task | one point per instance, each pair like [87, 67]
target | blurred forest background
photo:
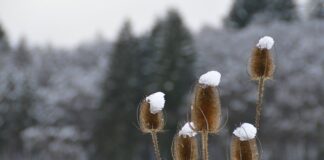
[81, 103]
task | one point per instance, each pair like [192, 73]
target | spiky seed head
[185, 144]
[150, 113]
[206, 109]
[244, 150]
[261, 62]
[244, 145]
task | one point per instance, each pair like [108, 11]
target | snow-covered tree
[283, 10]
[22, 56]
[243, 12]
[176, 60]
[174, 57]
[4, 45]
[17, 98]
[122, 89]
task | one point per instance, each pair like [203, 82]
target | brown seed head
[206, 109]
[261, 64]
[244, 150]
[185, 148]
[150, 122]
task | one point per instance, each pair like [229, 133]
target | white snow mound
[245, 132]
[156, 101]
[211, 78]
[187, 130]
[265, 42]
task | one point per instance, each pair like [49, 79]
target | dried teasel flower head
[150, 114]
[206, 108]
[185, 145]
[261, 61]
[244, 145]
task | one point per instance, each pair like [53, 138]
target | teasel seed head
[206, 108]
[244, 145]
[150, 113]
[185, 145]
[261, 61]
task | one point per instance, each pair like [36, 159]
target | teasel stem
[151, 118]
[259, 102]
[156, 146]
[204, 140]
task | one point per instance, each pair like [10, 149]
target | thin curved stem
[156, 146]
[204, 140]
[259, 102]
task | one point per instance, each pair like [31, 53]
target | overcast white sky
[68, 22]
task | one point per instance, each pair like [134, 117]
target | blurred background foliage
[81, 103]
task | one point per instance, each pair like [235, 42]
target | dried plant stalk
[206, 113]
[204, 139]
[261, 69]
[156, 146]
[151, 123]
[259, 102]
[244, 150]
[185, 148]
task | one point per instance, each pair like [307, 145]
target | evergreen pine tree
[161, 61]
[284, 10]
[4, 45]
[22, 56]
[17, 99]
[243, 12]
[122, 91]
[175, 60]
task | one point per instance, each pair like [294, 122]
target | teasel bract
[261, 68]
[206, 108]
[151, 119]
[185, 144]
[244, 145]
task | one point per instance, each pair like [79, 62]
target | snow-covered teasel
[151, 119]
[156, 101]
[187, 130]
[211, 78]
[265, 42]
[185, 145]
[245, 132]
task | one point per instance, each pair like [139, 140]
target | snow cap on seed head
[265, 42]
[211, 78]
[156, 101]
[187, 130]
[245, 132]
